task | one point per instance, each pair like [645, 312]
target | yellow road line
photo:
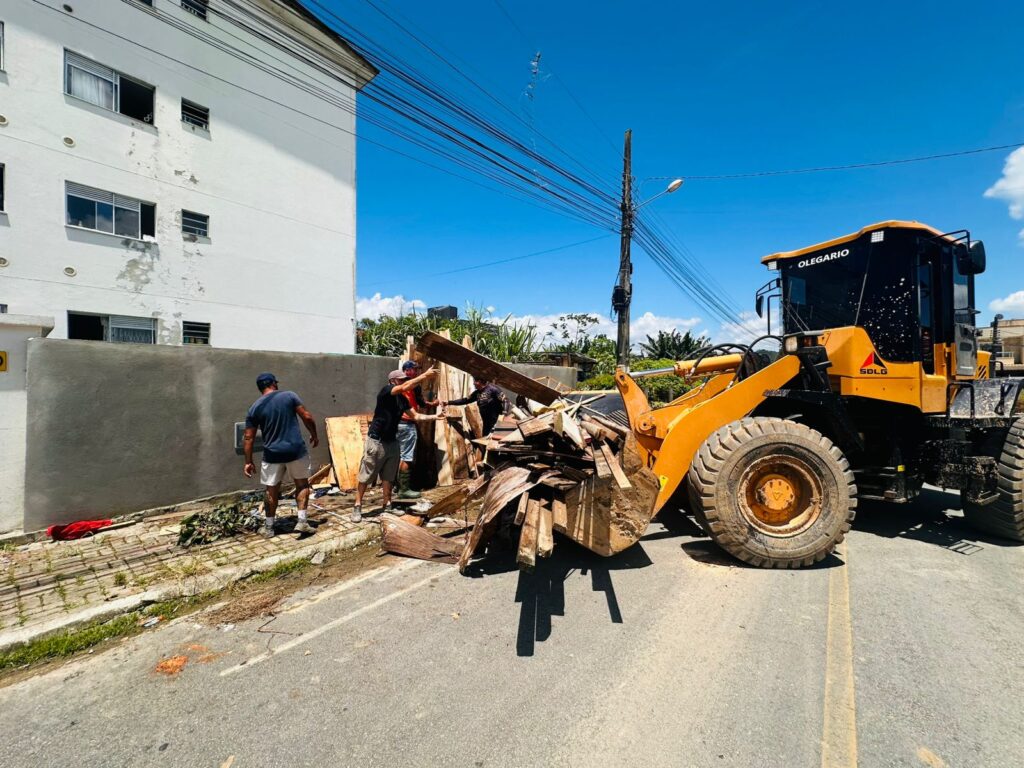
[839, 728]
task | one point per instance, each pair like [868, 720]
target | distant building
[443, 313]
[179, 172]
[1010, 352]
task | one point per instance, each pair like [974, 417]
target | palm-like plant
[672, 345]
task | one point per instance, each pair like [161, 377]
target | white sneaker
[304, 527]
[357, 515]
[267, 531]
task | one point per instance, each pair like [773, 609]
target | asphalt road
[906, 649]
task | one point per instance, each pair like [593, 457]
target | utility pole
[623, 290]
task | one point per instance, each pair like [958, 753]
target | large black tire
[1004, 517]
[773, 493]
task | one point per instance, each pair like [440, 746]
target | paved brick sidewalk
[47, 585]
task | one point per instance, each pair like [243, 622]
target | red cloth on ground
[76, 530]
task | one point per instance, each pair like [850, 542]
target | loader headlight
[790, 344]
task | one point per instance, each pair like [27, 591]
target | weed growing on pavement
[284, 568]
[73, 641]
[120, 580]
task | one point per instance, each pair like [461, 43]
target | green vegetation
[72, 641]
[573, 333]
[284, 568]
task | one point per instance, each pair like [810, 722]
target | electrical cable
[851, 166]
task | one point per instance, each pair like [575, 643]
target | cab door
[965, 338]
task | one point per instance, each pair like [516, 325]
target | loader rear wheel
[771, 492]
[1004, 517]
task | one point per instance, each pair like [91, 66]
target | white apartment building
[179, 171]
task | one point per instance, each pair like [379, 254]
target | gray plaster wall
[116, 428]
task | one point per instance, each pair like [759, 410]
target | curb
[215, 580]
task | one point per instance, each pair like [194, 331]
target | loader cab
[909, 286]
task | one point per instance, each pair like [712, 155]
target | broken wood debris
[559, 470]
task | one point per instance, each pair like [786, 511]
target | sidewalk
[50, 585]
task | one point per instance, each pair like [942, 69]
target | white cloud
[1011, 186]
[1014, 303]
[392, 306]
[639, 327]
[749, 328]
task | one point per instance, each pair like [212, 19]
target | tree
[672, 345]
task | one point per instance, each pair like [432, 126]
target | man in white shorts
[276, 415]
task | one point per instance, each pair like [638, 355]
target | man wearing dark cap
[407, 432]
[284, 450]
[382, 454]
[489, 398]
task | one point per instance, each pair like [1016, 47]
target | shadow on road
[542, 593]
[934, 518]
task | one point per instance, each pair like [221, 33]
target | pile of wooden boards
[557, 469]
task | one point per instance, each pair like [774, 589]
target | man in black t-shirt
[489, 399]
[381, 454]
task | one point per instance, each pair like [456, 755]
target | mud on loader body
[879, 388]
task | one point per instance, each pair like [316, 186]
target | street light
[666, 191]
[622, 293]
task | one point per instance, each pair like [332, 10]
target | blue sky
[707, 89]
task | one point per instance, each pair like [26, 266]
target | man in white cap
[382, 454]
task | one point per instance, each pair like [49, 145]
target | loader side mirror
[971, 260]
[759, 305]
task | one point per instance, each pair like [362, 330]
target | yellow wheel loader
[878, 388]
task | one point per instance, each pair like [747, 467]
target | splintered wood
[560, 468]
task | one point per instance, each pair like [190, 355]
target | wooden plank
[527, 554]
[537, 426]
[545, 538]
[615, 467]
[346, 441]
[404, 537]
[599, 432]
[445, 475]
[476, 421]
[320, 475]
[604, 421]
[566, 426]
[521, 511]
[515, 436]
[443, 350]
[601, 464]
[519, 413]
[506, 485]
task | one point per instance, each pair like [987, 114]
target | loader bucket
[607, 514]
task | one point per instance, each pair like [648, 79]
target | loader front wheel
[773, 493]
[1004, 517]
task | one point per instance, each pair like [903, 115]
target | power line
[852, 166]
[498, 261]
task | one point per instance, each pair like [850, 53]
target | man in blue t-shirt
[284, 450]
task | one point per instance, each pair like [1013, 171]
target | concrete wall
[278, 268]
[15, 331]
[119, 428]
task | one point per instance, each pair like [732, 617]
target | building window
[197, 224]
[97, 84]
[195, 333]
[2, 209]
[103, 211]
[121, 329]
[197, 7]
[1, 46]
[193, 114]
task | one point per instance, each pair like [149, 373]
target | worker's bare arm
[307, 418]
[248, 439]
[409, 384]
